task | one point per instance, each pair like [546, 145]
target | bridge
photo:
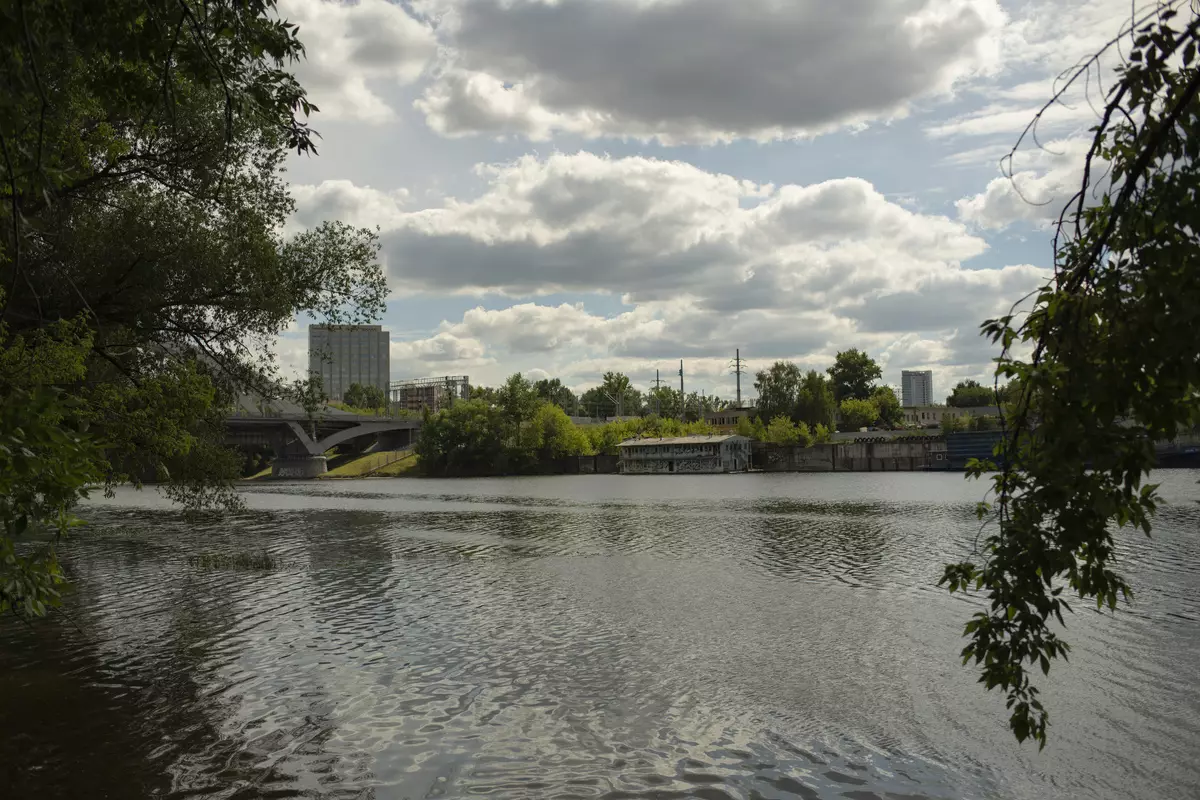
[300, 440]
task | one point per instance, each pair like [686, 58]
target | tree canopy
[815, 404]
[858, 414]
[552, 390]
[970, 393]
[359, 396]
[142, 210]
[1107, 361]
[777, 387]
[853, 374]
[887, 405]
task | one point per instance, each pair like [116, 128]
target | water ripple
[593, 637]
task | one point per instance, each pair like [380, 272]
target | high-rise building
[346, 354]
[916, 388]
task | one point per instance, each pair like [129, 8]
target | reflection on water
[592, 636]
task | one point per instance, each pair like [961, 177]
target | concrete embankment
[882, 455]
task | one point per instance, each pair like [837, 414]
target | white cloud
[345, 201]
[699, 70]
[704, 262]
[350, 46]
[1042, 181]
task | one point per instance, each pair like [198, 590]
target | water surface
[754, 636]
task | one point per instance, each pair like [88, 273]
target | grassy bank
[385, 464]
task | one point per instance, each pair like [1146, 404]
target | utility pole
[682, 396]
[657, 395]
[737, 370]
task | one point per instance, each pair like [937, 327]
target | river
[742, 636]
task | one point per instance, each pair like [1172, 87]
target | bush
[858, 414]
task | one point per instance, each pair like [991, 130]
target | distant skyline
[568, 188]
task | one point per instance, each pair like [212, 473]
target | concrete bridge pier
[298, 466]
[294, 461]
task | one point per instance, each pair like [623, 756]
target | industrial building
[346, 354]
[685, 454]
[727, 420]
[432, 393]
[916, 388]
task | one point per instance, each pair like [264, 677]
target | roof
[698, 439]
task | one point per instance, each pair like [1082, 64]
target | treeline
[848, 393]
[617, 397]
[514, 429]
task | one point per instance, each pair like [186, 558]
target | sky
[568, 187]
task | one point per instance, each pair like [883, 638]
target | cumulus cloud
[343, 200]
[699, 70]
[1042, 181]
[349, 46]
[1044, 45]
[659, 230]
[704, 262]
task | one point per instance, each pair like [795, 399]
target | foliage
[141, 155]
[663, 401]
[777, 388]
[605, 438]
[555, 436]
[985, 422]
[857, 414]
[553, 391]
[815, 403]
[615, 396]
[487, 394]
[968, 394]
[955, 423]
[1113, 366]
[46, 463]
[782, 430]
[364, 397]
[822, 435]
[466, 438]
[853, 374]
[888, 406]
[745, 428]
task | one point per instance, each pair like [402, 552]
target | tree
[858, 414]
[553, 391]
[777, 388]
[853, 374]
[464, 439]
[355, 396]
[1112, 366]
[142, 210]
[487, 394]
[47, 460]
[745, 427]
[782, 430]
[309, 394]
[374, 397]
[888, 406]
[555, 436]
[822, 435]
[815, 404]
[662, 401]
[143, 195]
[953, 423]
[969, 394]
[517, 403]
[624, 399]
